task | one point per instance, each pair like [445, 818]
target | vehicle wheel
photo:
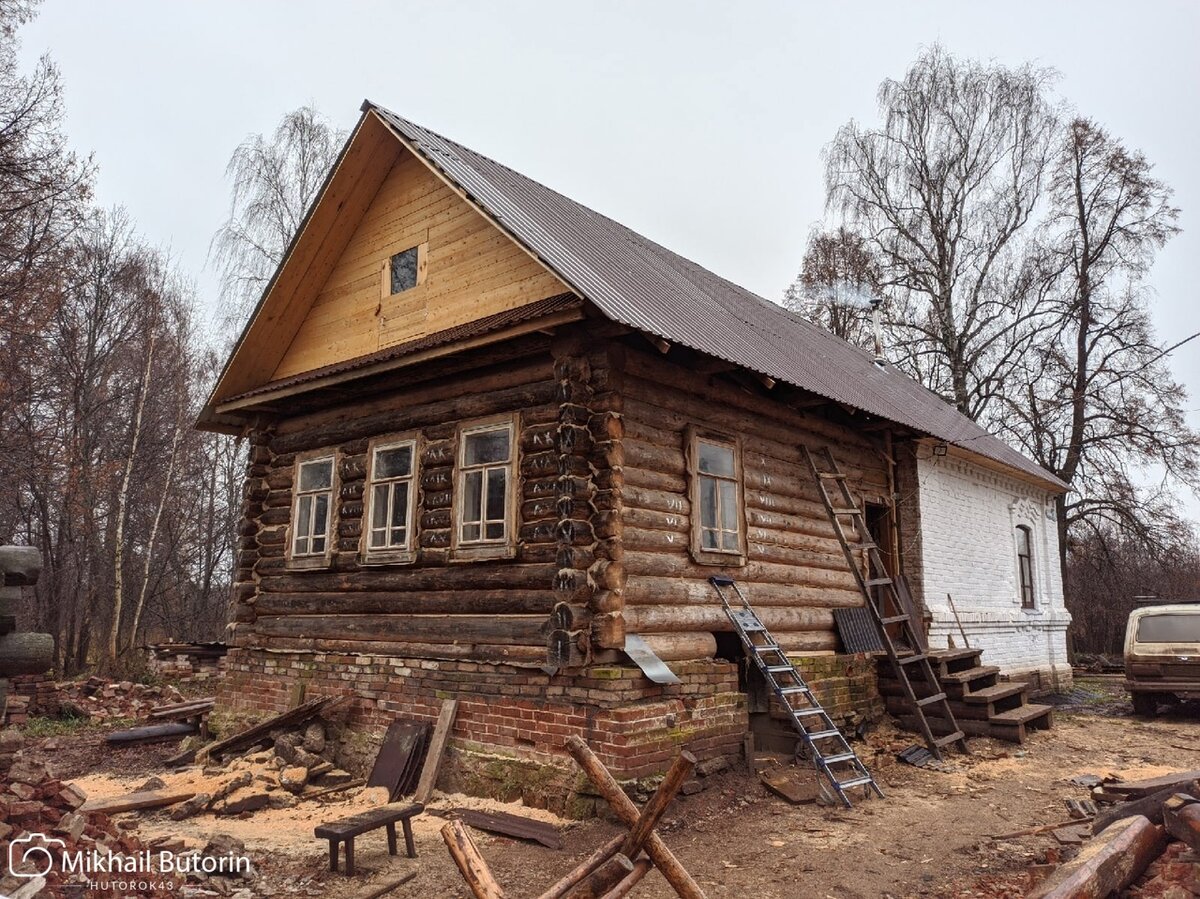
[1145, 704]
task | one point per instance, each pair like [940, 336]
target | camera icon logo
[33, 850]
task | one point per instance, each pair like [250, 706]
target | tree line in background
[1006, 241]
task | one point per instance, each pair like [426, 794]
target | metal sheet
[652, 666]
[857, 629]
[640, 284]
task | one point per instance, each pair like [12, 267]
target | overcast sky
[698, 124]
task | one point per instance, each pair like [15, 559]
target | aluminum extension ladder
[877, 576]
[825, 745]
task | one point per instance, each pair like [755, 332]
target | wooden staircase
[982, 706]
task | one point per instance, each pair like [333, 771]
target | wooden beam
[584, 868]
[1107, 863]
[132, 802]
[437, 748]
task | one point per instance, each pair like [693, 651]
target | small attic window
[403, 269]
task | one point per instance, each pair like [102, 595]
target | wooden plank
[1139, 788]
[131, 802]
[1150, 806]
[510, 826]
[437, 747]
[250, 735]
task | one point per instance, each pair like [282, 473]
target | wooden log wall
[795, 572]
[560, 590]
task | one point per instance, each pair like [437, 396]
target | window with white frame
[485, 465]
[313, 502]
[391, 498]
[718, 532]
[1025, 565]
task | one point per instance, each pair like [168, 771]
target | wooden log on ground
[153, 733]
[1181, 816]
[466, 855]
[1107, 863]
[666, 862]
[560, 888]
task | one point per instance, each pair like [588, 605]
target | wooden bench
[346, 829]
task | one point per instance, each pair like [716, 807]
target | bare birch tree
[839, 283]
[275, 181]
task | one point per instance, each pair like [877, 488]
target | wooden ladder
[877, 576]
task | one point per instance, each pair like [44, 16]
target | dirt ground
[934, 834]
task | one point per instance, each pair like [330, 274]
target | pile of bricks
[101, 700]
[31, 694]
[32, 802]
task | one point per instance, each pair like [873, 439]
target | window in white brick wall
[1025, 565]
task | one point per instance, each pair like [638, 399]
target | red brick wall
[513, 721]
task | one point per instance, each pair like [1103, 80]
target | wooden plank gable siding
[471, 270]
[795, 572]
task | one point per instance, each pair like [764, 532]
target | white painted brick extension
[969, 520]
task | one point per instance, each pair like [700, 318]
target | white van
[1162, 655]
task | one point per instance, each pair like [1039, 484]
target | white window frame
[309, 559]
[391, 553]
[700, 553]
[482, 547]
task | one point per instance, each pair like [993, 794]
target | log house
[493, 433]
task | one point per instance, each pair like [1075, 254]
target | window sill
[304, 563]
[482, 552]
[720, 559]
[1034, 611]
[380, 558]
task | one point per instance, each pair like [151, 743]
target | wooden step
[1039, 717]
[994, 692]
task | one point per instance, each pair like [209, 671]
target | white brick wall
[969, 520]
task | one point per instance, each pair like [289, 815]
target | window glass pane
[320, 515]
[404, 270]
[729, 505]
[708, 503]
[400, 505]
[316, 475]
[470, 532]
[729, 540]
[300, 547]
[708, 538]
[393, 463]
[318, 545]
[487, 446]
[304, 517]
[716, 459]
[496, 480]
[379, 506]
[472, 497]
[495, 530]
[1170, 627]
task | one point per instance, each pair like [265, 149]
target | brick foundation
[513, 722]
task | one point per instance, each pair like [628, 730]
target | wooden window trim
[385, 272]
[391, 555]
[480, 550]
[1025, 559]
[724, 558]
[313, 560]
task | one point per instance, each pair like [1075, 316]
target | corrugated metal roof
[492, 323]
[639, 283]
